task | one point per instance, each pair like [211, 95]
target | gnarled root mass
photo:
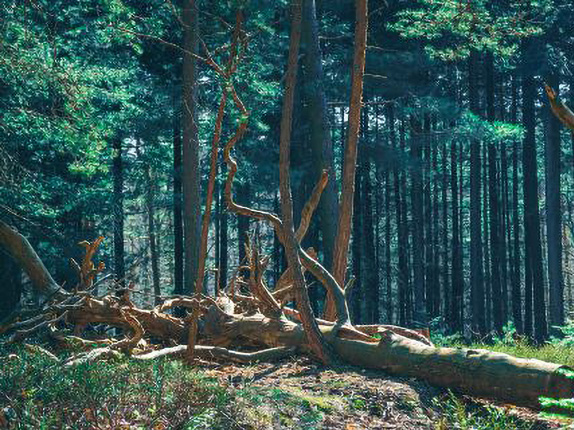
[223, 330]
[246, 328]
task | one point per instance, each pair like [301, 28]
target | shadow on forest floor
[38, 392]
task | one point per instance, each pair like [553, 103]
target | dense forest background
[463, 205]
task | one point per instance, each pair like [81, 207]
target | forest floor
[37, 391]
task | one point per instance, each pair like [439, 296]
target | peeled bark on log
[216, 352]
[22, 252]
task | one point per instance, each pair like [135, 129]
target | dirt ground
[349, 398]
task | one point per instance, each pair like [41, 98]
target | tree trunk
[118, 203]
[531, 203]
[515, 274]
[486, 243]
[456, 308]
[494, 203]
[206, 220]
[223, 252]
[371, 277]
[475, 372]
[554, 217]
[357, 248]
[290, 242]
[177, 205]
[152, 234]
[445, 261]
[417, 226]
[387, 242]
[476, 255]
[400, 216]
[435, 284]
[320, 138]
[190, 142]
[20, 250]
[345, 215]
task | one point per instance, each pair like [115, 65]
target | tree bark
[20, 250]
[516, 255]
[456, 308]
[345, 215]
[320, 138]
[290, 242]
[190, 142]
[531, 202]
[417, 226]
[192, 338]
[494, 203]
[152, 234]
[177, 204]
[554, 218]
[476, 249]
[118, 211]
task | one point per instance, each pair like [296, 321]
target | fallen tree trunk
[107, 311]
[475, 372]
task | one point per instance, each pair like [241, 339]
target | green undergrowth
[38, 393]
[457, 414]
[557, 350]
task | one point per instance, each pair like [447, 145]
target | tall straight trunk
[428, 260]
[372, 294]
[417, 226]
[476, 255]
[356, 251]
[177, 207]
[435, 290]
[387, 242]
[206, 218]
[456, 308]
[402, 244]
[320, 138]
[515, 274]
[345, 214]
[505, 230]
[530, 183]
[290, 243]
[118, 202]
[223, 251]
[494, 203]
[505, 247]
[554, 215]
[277, 255]
[152, 234]
[445, 262]
[244, 199]
[191, 171]
[486, 229]
[217, 238]
[407, 292]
